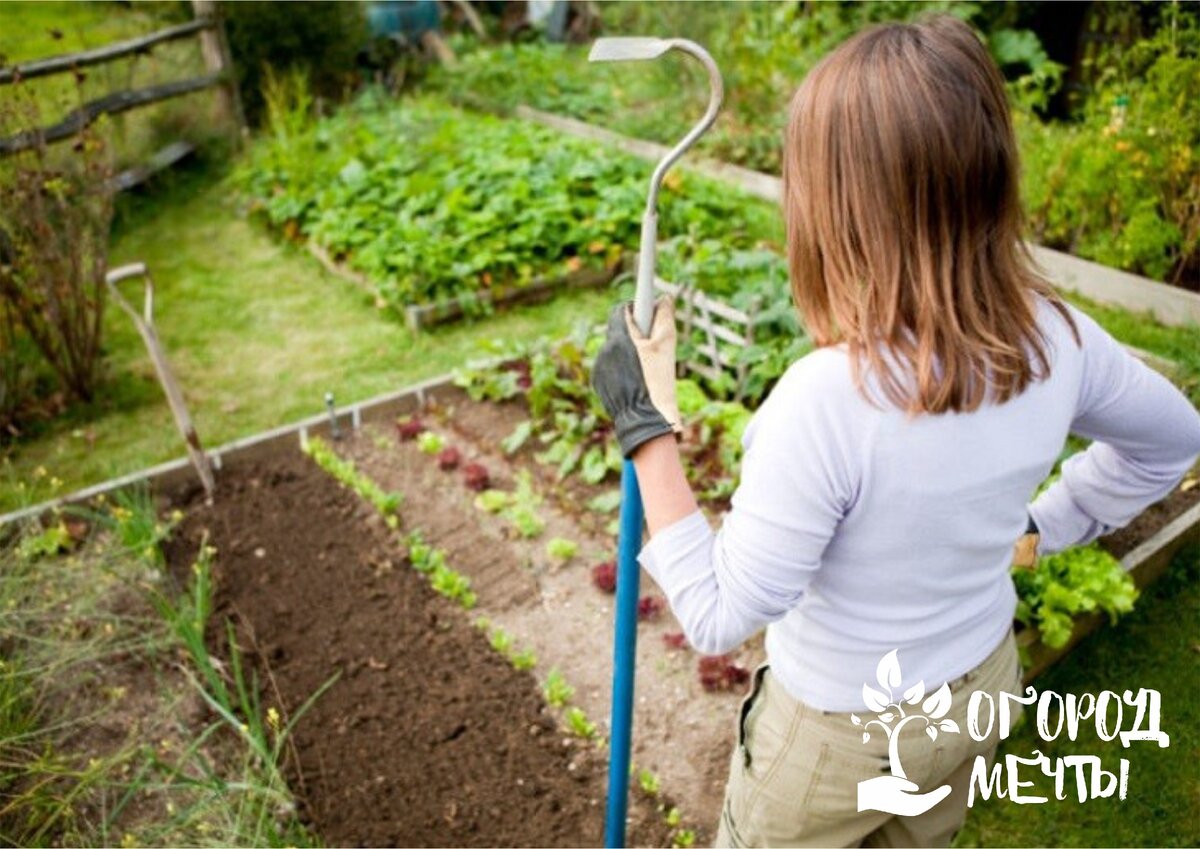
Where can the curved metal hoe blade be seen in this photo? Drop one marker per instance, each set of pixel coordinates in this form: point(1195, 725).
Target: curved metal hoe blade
point(628, 49)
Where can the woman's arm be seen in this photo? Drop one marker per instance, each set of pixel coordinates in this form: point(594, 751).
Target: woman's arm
point(666, 494)
point(796, 480)
point(1147, 435)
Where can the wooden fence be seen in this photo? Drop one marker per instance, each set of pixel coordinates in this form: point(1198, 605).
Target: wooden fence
point(215, 51)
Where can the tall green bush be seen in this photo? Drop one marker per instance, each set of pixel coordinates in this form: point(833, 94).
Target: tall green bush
point(320, 38)
point(1121, 185)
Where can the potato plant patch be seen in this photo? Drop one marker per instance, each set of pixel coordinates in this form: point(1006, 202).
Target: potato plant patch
point(432, 203)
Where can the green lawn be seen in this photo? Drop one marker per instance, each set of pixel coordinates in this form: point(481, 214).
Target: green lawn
point(1156, 647)
point(256, 331)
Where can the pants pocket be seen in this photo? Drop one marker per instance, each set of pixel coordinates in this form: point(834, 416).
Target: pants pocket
point(751, 704)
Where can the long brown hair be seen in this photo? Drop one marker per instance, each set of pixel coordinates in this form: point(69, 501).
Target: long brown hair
point(904, 219)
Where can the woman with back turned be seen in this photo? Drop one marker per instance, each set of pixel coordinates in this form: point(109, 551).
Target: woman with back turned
point(890, 471)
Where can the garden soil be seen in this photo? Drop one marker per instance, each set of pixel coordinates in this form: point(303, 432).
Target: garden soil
point(426, 737)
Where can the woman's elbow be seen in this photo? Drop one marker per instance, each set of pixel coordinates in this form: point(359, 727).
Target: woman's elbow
point(710, 633)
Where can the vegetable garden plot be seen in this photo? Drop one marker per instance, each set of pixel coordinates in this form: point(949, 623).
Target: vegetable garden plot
point(432, 204)
point(543, 595)
point(552, 612)
point(563, 436)
point(426, 735)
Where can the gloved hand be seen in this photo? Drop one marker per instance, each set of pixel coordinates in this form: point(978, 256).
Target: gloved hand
point(635, 376)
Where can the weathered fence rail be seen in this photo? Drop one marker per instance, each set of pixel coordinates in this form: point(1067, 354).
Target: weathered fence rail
point(214, 50)
point(100, 55)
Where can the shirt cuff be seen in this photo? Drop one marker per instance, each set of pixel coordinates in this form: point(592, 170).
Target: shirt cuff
point(1061, 523)
point(679, 553)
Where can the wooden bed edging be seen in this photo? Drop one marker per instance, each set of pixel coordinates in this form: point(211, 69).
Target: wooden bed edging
point(1145, 564)
point(422, 316)
point(175, 472)
point(1168, 304)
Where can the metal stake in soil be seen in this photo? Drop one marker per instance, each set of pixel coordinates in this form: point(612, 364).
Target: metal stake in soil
point(629, 540)
point(334, 430)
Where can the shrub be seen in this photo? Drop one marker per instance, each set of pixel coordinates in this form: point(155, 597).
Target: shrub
point(1122, 184)
point(321, 39)
point(57, 210)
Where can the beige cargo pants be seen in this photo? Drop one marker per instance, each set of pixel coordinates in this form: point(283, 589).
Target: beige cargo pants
point(793, 780)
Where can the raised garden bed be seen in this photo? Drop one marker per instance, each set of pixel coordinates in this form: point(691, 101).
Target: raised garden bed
point(441, 213)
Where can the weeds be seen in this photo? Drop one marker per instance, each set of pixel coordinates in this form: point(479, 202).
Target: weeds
point(85, 631)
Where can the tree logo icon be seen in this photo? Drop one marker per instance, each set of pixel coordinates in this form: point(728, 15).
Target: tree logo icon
point(895, 793)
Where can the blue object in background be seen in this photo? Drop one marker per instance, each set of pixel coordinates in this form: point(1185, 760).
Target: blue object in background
point(410, 18)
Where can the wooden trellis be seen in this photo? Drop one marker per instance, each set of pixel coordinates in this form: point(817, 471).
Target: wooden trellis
point(714, 322)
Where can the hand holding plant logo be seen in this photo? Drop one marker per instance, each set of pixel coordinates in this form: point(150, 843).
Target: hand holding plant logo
point(894, 793)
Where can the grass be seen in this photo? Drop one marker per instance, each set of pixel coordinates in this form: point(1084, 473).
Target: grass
point(1178, 344)
point(256, 332)
point(30, 30)
point(1157, 646)
point(117, 726)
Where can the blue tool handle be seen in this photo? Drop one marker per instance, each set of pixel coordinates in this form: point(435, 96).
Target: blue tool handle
point(629, 543)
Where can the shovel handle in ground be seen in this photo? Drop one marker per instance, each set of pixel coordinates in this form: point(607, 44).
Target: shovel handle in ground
point(144, 322)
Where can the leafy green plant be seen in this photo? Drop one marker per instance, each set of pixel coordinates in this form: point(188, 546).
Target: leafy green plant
point(518, 507)
point(561, 550)
point(1072, 582)
point(430, 443)
point(683, 838)
point(1121, 184)
point(503, 643)
point(347, 474)
point(474, 203)
point(648, 783)
point(556, 689)
point(453, 585)
point(524, 660)
point(579, 724)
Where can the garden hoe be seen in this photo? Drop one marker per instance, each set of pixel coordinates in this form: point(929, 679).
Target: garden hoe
point(629, 539)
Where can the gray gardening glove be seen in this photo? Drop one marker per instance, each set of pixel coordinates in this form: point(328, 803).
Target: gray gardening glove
point(635, 376)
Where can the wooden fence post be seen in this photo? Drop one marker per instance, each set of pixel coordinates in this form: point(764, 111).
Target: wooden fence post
point(215, 49)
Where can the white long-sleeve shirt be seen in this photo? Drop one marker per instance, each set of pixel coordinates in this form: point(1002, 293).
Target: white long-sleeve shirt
point(858, 529)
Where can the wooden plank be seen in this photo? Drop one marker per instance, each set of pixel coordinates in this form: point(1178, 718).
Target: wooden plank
point(214, 47)
point(377, 408)
point(160, 161)
point(98, 55)
point(422, 316)
point(1169, 304)
point(110, 104)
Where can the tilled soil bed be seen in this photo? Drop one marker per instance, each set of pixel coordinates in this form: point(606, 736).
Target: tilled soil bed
point(427, 736)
